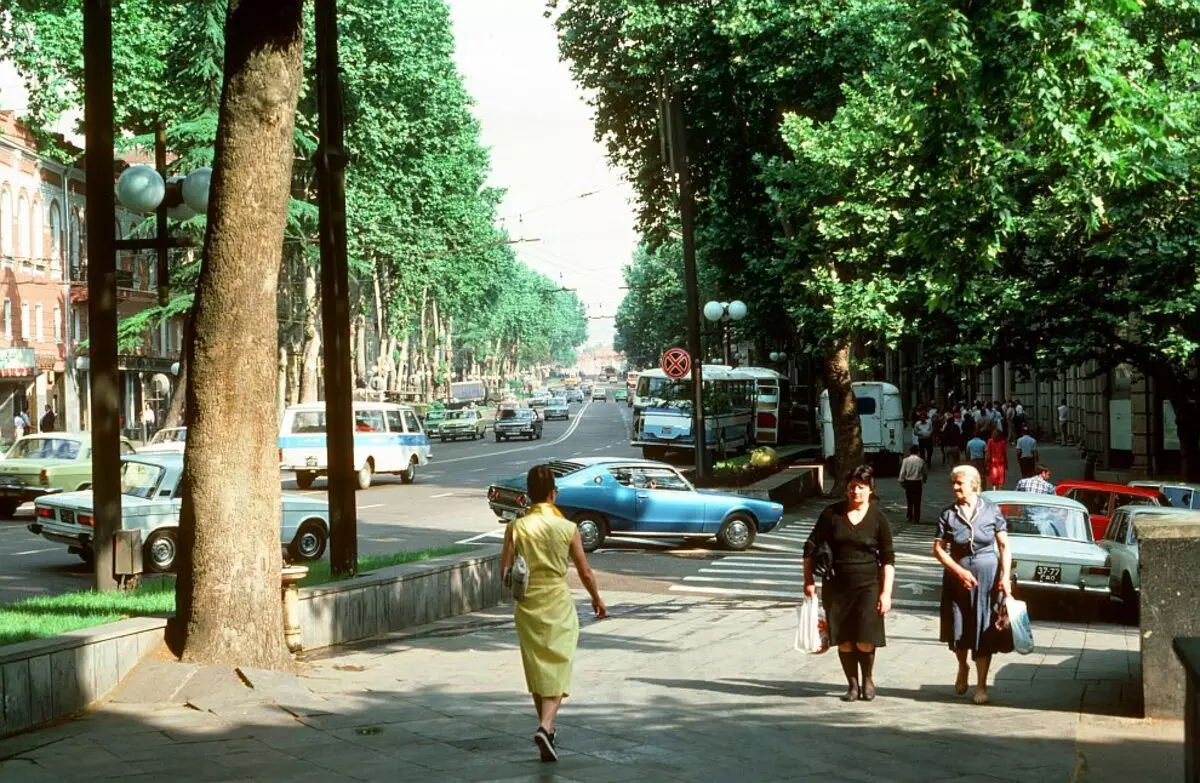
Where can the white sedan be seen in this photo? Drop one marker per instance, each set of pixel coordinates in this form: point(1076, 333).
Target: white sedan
point(169, 439)
point(1050, 538)
point(1121, 544)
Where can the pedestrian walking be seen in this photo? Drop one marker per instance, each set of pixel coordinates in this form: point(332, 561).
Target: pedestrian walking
point(147, 422)
point(997, 460)
point(971, 543)
point(1037, 483)
point(1063, 412)
point(914, 472)
point(954, 436)
point(860, 592)
point(923, 432)
point(977, 453)
point(48, 421)
point(547, 625)
point(19, 425)
point(1027, 453)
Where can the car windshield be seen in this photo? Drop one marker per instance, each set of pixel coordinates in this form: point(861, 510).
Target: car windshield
point(1029, 519)
point(140, 479)
point(308, 422)
point(1180, 497)
point(452, 415)
point(45, 448)
point(435, 416)
point(516, 414)
point(178, 435)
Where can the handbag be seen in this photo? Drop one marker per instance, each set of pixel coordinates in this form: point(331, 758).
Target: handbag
point(823, 561)
point(1022, 626)
point(516, 578)
point(812, 631)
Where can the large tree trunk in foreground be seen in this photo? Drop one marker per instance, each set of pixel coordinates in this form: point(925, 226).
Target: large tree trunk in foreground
point(229, 607)
point(847, 428)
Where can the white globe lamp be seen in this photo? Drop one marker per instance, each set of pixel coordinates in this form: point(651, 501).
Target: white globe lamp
point(195, 189)
point(140, 189)
point(714, 310)
point(737, 309)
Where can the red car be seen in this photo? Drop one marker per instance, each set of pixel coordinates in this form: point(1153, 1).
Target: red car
point(1102, 499)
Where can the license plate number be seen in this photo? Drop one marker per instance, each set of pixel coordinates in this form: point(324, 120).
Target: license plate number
point(67, 516)
point(509, 515)
point(311, 462)
point(1051, 574)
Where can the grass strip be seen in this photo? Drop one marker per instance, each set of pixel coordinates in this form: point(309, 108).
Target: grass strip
point(46, 616)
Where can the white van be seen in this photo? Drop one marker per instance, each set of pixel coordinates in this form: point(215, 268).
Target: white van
point(387, 439)
point(881, 413)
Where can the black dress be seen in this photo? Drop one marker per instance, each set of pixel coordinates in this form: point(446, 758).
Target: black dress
point(860, 551)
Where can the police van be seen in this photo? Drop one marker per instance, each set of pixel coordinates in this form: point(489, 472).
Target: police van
point(387, 439)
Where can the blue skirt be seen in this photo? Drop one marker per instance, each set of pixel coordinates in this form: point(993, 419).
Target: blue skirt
point(968, 615)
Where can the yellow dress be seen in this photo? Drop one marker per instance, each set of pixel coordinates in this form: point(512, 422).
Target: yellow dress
point(547, 624)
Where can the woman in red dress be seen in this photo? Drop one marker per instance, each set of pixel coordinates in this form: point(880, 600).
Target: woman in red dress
point(997, 459)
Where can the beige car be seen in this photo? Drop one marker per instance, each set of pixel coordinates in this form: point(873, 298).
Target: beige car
point(1121, 544)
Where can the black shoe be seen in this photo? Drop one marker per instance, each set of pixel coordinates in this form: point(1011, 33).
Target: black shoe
point(545, 744)
point(851, 693)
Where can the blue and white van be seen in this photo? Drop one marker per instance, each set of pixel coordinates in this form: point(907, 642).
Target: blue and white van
point(387, 439)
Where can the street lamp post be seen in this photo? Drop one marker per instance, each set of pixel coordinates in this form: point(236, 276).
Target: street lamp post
point(726, 313)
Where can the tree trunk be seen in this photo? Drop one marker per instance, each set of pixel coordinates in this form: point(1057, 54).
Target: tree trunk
point(1187, 426)
point(174, 416)
point(229, 611)
point(359, 340)
point(281, 399)
point(847, 428)
point(310, 363)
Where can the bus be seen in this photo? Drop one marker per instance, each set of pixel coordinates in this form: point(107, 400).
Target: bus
point(662, 411)
point(772, 400)
point(571, 382)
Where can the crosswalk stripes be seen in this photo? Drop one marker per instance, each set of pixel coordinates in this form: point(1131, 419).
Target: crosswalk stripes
point(774, 569)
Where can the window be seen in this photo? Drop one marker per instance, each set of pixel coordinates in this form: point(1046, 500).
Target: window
point(23, 227)
point(1180, 497)
point(77, 323)
point(308, 422)
point(56, 243)
point(410, 422)
point(1095, 500)
point(395, 421)
point(74, 241)
point(39, 314)
point(127, 449)
point(140, 479)
point(58, 330)
point(39, 233)
point(1116, 528)
point(368, 421)
point(866, 406)
point(25, 321)
point(1134, 500)
point(1046, 521)
point(6, 224)
point(8, 320)
point(659, 478)
point(623, 476)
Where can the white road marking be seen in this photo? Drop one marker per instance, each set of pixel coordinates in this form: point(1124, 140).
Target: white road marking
point(372, 505)
point(494, 534)
point(37, 551)
point(441, 495)
point(897, 603)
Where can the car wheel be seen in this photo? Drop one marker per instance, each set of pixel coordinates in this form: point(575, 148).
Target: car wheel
point(498, 438)
point(592, 531)
point(443, 439)
point(737, 534)
point(365, 473)
point(309, 543)
point(162, 547)
point(305, 478)
point(1129, 600)
point(8, 508)
point(410, 473)
point(86, 555)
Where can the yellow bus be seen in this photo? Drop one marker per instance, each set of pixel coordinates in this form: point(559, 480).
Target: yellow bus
point(571, 382)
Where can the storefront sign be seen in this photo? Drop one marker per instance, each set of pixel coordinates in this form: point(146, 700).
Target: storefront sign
point(17, 362)
point(144, 363)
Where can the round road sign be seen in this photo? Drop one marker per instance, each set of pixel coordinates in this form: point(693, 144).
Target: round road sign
point(676, 363)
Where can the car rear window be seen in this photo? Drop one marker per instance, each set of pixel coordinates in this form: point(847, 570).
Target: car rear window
point(1138, 500)
point(866, 406)
point(1180, 497)
point(562, 468)
point(310, 422)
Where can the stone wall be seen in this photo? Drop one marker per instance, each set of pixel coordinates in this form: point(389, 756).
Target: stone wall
point(1170, 592)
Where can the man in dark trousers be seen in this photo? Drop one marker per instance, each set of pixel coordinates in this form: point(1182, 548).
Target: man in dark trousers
point(913, 475)
point(47, 423)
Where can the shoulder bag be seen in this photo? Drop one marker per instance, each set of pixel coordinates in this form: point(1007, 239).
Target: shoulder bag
point(517, 576)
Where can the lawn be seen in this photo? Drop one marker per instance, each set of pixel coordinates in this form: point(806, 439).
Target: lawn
point(38, 618)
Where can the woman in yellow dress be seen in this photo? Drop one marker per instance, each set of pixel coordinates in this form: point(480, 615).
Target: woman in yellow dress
point(547, 624)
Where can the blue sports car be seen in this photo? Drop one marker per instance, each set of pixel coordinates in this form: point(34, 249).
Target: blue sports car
point(606, 495)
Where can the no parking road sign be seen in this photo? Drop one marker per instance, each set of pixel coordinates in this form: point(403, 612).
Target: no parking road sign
point(676, 363)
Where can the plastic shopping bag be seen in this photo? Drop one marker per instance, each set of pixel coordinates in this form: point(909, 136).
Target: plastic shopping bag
point(1022, 628)
point(812, 632)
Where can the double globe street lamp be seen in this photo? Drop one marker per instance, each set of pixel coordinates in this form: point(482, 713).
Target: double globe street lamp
point(725, 313)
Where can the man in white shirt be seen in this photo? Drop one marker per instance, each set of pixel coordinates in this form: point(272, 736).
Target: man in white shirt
point(1027, 453)
point(1063, 410)
point(913, 475)
point(923, 432)
point(19, 425)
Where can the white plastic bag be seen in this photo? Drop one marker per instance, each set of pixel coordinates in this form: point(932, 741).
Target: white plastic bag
point(1022, 628)
point(812, 633)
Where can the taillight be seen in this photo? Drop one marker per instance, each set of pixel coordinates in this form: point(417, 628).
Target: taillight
point(44, 513)
point(86, 519)
point(44, 478)
point(1097, 571)
point(520, 500)
point(493, 493)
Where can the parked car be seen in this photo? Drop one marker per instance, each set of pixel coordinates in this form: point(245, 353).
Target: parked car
point(465, 423)
point(599, 394)
point(610, 495)
point(557, 408)
point(171, 439)
point(433, 422)
point(150, 502)
point(1052, 547)
point(387, 439)
point(1178, 494)
point(574, 395)
point(1121, 544)
point(621, 395)
point(518, 423)
point(1102, 498)
point(45, 464)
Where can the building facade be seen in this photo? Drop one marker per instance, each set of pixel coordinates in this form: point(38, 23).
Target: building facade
point(44, 297)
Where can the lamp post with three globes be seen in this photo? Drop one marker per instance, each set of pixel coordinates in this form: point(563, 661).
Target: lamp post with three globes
point(726, 313)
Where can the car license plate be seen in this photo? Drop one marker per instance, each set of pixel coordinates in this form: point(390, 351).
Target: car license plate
point(666, 430)
point(1052, 574)
point(509, 515)
point(311, 462)
point(67, 516)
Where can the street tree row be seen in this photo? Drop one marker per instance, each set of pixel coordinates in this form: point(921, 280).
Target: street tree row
point(999, 181)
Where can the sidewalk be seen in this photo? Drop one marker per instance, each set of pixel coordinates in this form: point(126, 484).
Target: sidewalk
point(669, 688)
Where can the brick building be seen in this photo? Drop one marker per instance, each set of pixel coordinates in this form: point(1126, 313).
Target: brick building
point(43, 287)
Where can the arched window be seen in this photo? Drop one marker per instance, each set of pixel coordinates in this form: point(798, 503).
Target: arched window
point(38, 228)
point(56, 243)
point(23, 227)
point(73, 242)
point(6, 223)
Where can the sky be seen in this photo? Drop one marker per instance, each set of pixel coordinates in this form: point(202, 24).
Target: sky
point(538, 127)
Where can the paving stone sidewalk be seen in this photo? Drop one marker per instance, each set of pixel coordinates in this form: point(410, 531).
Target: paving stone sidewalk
point(668, 689)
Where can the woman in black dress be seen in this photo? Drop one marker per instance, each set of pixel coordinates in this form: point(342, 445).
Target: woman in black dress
point(860, 592)
point(972, 545)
